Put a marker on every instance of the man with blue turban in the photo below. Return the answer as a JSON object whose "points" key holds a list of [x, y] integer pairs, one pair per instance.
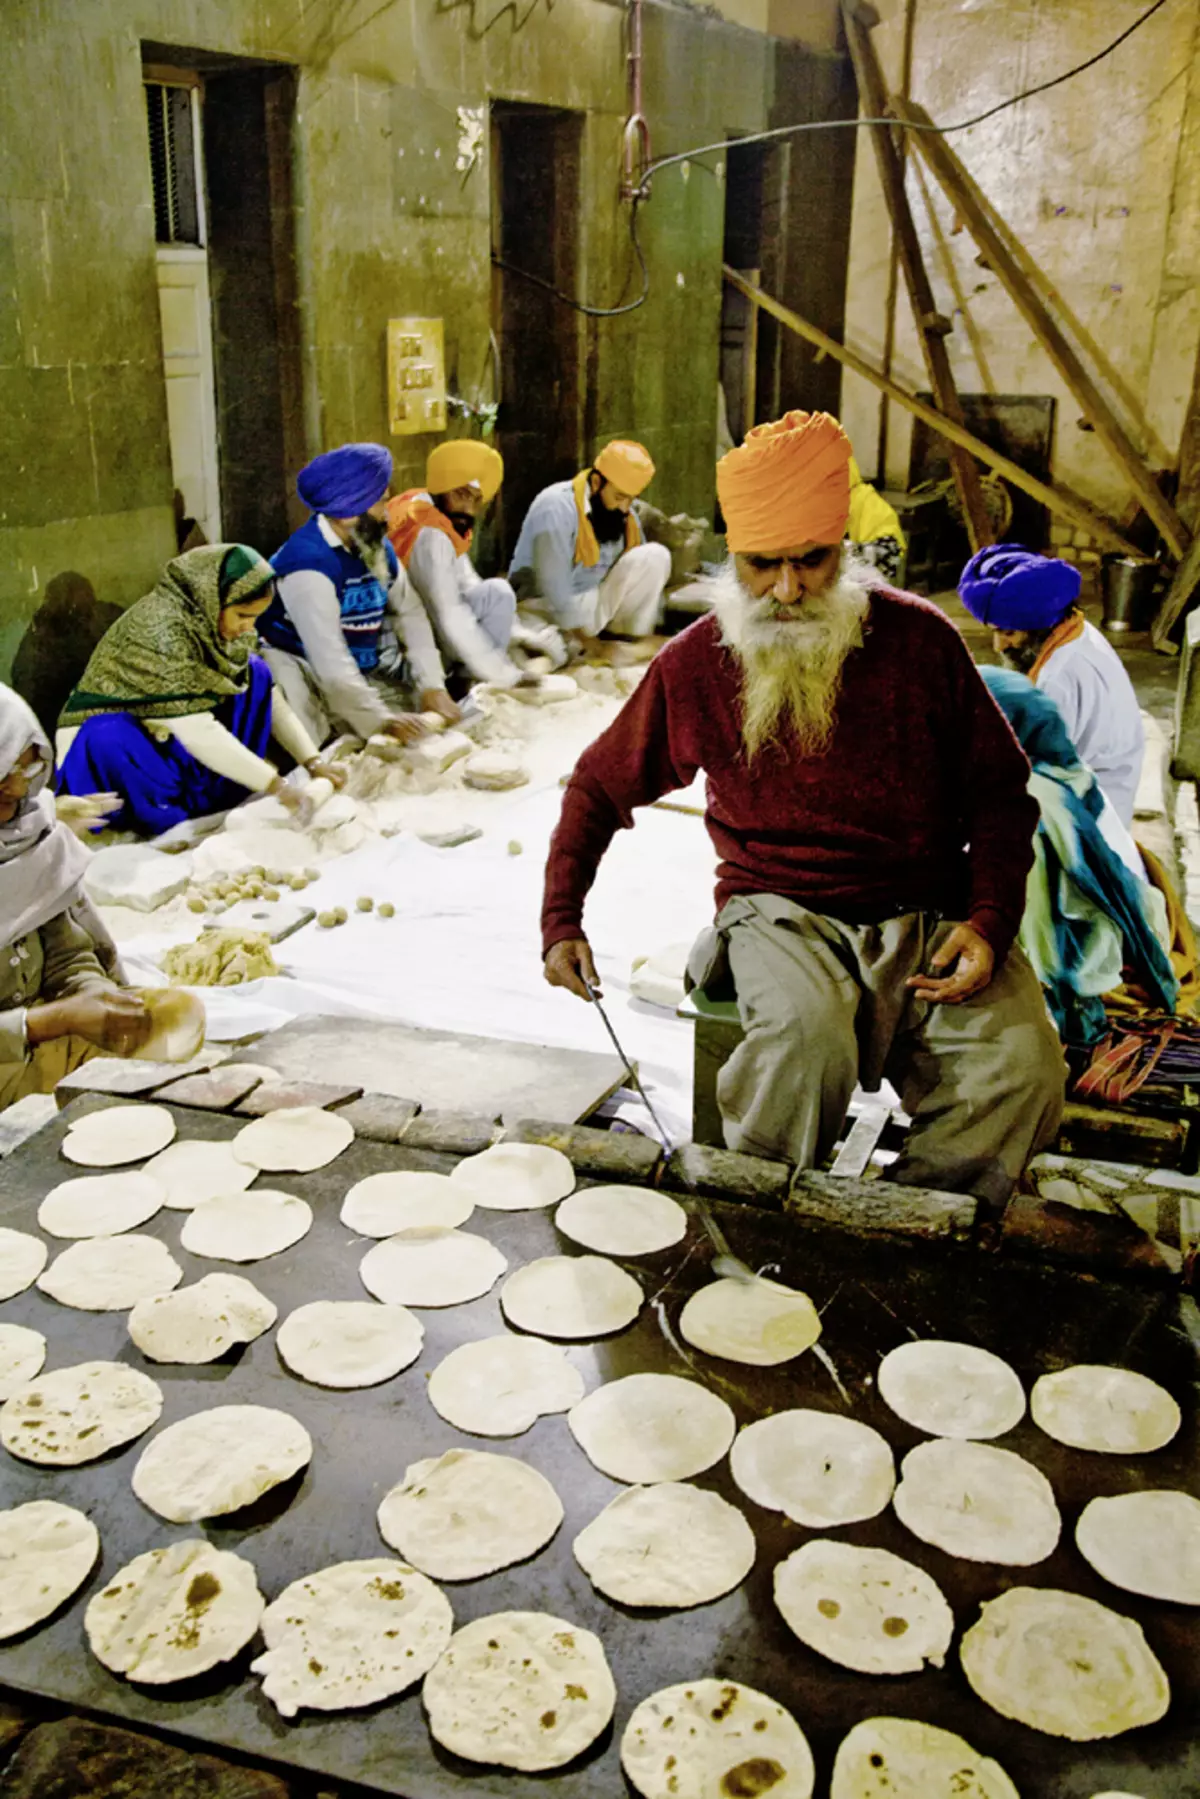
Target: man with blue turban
{"points": [[1030, 603], [344, 620]]}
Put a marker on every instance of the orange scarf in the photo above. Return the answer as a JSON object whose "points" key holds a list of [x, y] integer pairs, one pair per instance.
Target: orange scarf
{"points": [[409, 513], [1067, 630], [587, 546]]}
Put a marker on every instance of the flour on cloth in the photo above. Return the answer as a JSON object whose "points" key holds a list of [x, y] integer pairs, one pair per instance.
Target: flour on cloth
{"points": [[951, 1389], [383, 1204], [670, 1545], [199, 1323], [100, 1205], [117, 1134], [501, 1386], [74, 1415], [47, 1551], [985, 1504], [622, 1221], [294, 1140], [516, 1177], [899, 1758], [431, 1267], [246, 1227], [817, 1468], [645, 1428], [864, 1608], [22, 1353], [758, 1322], [219, 1460], [349, 1342], [174, 1612], [22, 1258], [715, 1739], [1147, 1542], [110, 1274], [1112, 1410], [466, 1513], [572, 1297], [192, 1170]]}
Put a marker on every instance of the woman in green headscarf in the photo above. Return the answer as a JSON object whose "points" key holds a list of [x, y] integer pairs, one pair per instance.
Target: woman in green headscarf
{"points": [[175, 712]]}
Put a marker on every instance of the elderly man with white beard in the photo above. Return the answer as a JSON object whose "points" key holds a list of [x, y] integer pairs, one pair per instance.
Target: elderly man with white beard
{"points": [[868, 806]]}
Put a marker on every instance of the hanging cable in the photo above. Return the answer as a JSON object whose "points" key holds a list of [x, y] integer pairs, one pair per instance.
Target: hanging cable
{"points": [[592, 312]]}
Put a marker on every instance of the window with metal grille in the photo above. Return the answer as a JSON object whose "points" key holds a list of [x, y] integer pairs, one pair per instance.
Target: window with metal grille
{"points": [[173, 170]]}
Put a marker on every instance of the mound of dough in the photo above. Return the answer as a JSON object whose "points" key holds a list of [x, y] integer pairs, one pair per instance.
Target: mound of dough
{"points": [[985, 1504], [645, 1428], [520, 1690], [1064, 1665], [494, 771], [295, 1140], [864, 1608], [246, 1227], [47, 1551], [571, 1296], [1146, 1542], [383, 1204], [516, 1177], [1111, 1410], [671, 1545], [351, 1635], [817, 1468], [220, 957], [74, 1415], [951, 1389], [758, 1322], [622, 1221], [173, 1613], [117, 1134], [100, 1205], [709, 1737], [110, 1274], [219, 1460], [22, 1258], [431, 1268], [501, 1386], [199, 1323], [22, 1353], [466, 1513], [194, 1170], [897, 1758], [349, 1342]]}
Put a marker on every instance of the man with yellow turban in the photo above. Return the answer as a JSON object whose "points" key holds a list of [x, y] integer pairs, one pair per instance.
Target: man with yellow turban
{"points": [[580, 561], [868, 806]]}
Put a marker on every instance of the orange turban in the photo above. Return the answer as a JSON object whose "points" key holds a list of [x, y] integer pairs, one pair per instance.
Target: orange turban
{"points": [[627, 465], [788, 484]]}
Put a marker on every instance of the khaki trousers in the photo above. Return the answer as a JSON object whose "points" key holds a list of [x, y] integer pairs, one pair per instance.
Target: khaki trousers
{"points": [[824, 1008]]}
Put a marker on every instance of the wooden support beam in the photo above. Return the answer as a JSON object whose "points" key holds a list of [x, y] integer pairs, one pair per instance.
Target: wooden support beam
{"points": [[1186, 579], [974, 211], [931, 327], [1063, 505]]}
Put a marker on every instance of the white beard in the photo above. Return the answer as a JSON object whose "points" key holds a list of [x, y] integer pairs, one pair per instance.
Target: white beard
{"points": [[792, 668]]}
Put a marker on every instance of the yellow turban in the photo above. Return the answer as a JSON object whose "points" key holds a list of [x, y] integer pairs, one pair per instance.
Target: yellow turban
{"points": [[788, 484], [627, 465], [464, 461]]}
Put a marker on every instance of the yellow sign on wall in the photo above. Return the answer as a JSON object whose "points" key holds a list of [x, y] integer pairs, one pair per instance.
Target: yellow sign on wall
{"points": [[416, 376]]}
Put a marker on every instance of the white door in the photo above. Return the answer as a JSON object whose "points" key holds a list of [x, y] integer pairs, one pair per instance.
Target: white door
{"points": [[191, 395]]}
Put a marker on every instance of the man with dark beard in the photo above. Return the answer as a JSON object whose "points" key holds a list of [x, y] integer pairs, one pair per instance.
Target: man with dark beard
{"points": [[867, 802], [343, 610]]}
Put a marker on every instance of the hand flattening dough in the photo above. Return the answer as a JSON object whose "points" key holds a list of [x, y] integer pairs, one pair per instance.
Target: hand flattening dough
{"points": [[705, 1738], [951, 1389], [47, 1551], [295, 1140], [572, 1297], [194, 1170], [199, 1323], [985, 1504], [670, 1545], [817, 1468], [758, 1322], [383, 1204], [100, 1205], [174, 1612], [110, 1274], [501, 1386], [219, 1460], [864, 1608], [645, 1428], [246, 1227], [118, 1134], [1110, 1410], [74, 1415], [467, 1513], [1147, 1542], [516, 1177], [622, 1221], [22, 1258], [349, 1342], [898, 1758], [431, 1268], [22, 1353]]}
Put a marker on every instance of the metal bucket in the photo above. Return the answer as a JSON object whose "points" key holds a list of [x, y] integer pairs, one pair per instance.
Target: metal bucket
{"points": [[1128, 589]]}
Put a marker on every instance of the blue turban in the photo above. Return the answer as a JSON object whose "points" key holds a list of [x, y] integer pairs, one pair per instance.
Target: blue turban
{"points": [[345, 482], [1011, 589]]}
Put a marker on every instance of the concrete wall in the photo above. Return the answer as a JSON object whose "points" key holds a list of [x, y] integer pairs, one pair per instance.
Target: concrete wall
{"points": [[1101, 181]]}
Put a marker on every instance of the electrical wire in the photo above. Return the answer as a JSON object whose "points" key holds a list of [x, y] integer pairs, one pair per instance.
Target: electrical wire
{"points": [[592, 312]]}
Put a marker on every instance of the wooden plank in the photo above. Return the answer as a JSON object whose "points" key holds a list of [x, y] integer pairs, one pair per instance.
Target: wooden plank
{"points": [[1064, 505], [973, 209], [1184, 583], [873, 97], [1186, 579]]}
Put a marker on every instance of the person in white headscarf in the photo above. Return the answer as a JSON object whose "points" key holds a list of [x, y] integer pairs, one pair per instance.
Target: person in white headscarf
{"points": [[61, 998]]}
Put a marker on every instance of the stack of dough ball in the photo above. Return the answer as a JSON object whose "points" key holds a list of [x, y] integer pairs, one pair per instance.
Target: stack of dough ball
{"points": [[110, 1274], [293, 1140], [951, 1389], [349, 1342], [22, 1353], [174, 1613], [218, 1461], [572, 1297], [193, 1170], [118, 1134], [758, 1322], [981, 1503], [646, 1428], [516, 1177], [75, 1415], [671, 1545], [501, 1386], [865, 1609], [100, 1205], [898, 1758], [817, 1468], [431, 1267], [1109, 1410], [246, 1227], [622, 1221], [382, 1204], [22, 1258], [197, 1324], [493, 771], [1147, 1542], [467, 1513], [47, 1551], [715, 1737]]}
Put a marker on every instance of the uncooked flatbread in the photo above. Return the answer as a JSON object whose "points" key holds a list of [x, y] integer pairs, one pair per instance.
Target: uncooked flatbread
{"points": [[952, 1389], [466, 1513], [645, 1428], [1112, 1410], [431, 1268], [622, 1221], [349, 1342], [1064, 1665], [110, 1274], [1145, 1542], [898, 1758], [22, 1353], [47, 1551], [758, 1322], [516, 1177], [864, 1608], [174, 1612], [383, 1204], [118, 1134], [100, 1205], [219, 1460], [199, 1323], [351, 1635], [817, 1468], [670, 1545], [74, 1415], [296, 1140], [520, 1690], [194, 1170], [710, 1738], [985, 1504], [246, 1227], [500, 1386], [22, 1258], [571, 1297]]}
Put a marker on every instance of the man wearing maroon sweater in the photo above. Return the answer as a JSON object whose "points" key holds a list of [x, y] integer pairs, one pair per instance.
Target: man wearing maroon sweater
{"points": [[867, 801]]}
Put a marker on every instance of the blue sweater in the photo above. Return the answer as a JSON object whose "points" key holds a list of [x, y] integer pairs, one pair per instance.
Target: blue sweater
{"points": [[362, 599]]}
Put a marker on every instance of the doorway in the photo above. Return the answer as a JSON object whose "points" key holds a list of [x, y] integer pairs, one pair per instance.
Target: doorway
{"points": [[755, 202]]}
